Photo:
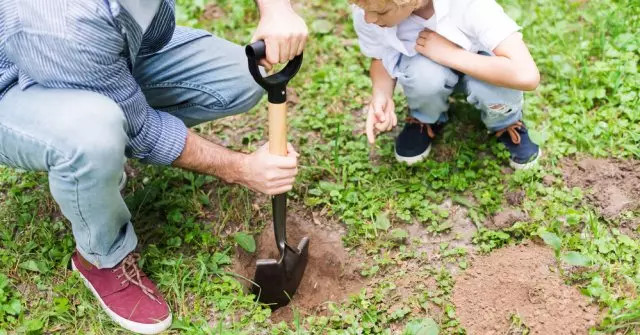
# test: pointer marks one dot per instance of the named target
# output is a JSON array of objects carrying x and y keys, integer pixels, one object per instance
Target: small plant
[
  {"x": 517, "y": 327},
  {"x": 10, "y": 305}
]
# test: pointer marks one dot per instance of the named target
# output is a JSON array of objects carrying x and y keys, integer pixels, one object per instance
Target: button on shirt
[
  {"x": 93, "y": 45},
  {"x": 474, "y": 25}
]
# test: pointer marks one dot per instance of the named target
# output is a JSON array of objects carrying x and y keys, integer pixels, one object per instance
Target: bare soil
[
  {"x": 520, "y": 281},
  {"x": 331, "y": 274},
  {"x": 612, "y": 186},
  {"x": 506, "y": 219},
  {"x": 515, "y": 198},
  {"x": 459, "y": 234}
]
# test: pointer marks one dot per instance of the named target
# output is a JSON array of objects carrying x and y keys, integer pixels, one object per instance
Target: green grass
[{"x": 588, "y": 103}]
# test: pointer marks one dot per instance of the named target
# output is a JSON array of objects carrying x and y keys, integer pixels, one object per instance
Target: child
[{"x": 431, "y": 45}]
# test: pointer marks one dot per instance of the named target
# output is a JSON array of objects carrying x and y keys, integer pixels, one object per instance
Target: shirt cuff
[{"x": 170, "y": 139}]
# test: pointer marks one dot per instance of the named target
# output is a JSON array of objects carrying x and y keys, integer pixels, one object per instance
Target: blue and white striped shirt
[{"x": 93, "y": 45}]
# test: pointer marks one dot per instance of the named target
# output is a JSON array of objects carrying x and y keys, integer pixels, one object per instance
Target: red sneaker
[{"x": 126, "y": 294}]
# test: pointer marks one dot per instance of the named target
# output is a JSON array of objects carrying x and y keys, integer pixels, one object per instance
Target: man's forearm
[
  {"x": 381, "y": 81},
  {"x": 495, "y": 70},
  {"x": 202, "y": 156}
]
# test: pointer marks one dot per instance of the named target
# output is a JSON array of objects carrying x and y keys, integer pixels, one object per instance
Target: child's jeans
[
  {"x": 428, "y": 86},
  {"x": 79, "y": 137}
]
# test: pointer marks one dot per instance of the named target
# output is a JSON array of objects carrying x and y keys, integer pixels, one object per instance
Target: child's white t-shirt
[{"x": 474, "y": 25}]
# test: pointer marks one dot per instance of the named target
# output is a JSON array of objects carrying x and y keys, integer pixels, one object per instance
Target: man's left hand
[
  {"x": 435, "y": 47},
  {"x": 283, "y": 31}
]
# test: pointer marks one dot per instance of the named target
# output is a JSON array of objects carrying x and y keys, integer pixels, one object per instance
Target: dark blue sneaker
[
  {"x": 414, "y": 142},
  {"x": 524, "y": 153}
]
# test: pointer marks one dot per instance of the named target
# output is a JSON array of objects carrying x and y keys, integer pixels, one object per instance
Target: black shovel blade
[{"x": 276, "y": 282}]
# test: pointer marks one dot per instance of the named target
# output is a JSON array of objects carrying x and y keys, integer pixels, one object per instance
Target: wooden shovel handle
[
  {"x": 278, "y": 129},
  {"x": 278, "y": 146}
]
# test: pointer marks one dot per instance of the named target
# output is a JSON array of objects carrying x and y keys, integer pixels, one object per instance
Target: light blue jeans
[
  {"x": 428, "y": 86},
  {"x": 79, "y": 136}
]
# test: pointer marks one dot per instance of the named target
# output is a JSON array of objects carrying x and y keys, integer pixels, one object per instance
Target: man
[{"x": 84, "y": 84}]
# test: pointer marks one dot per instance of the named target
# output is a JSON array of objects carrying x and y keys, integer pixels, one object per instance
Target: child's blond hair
[{"x": 369, "y": 4}]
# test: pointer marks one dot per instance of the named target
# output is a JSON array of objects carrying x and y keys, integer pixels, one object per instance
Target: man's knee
[
  {"x": 246, "y": 92},
  {"x": 252, "y": 96},
  {"x": 96, "y": 139},
  {"x": 231, "y": 88},
  {"x": 423, "y": 77}
]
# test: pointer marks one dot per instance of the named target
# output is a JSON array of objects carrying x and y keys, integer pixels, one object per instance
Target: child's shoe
[
  {"x": 524, "y": 153},
  {"x": 414, "y": 142}
]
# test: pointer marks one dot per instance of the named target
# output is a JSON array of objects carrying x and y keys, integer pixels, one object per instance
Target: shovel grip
[
  {"x": 275, "y": 84},
  {"x": 278, "y": 129}
]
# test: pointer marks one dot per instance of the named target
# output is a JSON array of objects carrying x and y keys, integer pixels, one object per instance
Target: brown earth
[
  {"x": 612, "y": 186},
  {"x": 515, "y": 198},
  {"x": 460, "y": 233},
  {"x": 519, "y": 281},
  {"x": 506, "y": 219},
  {"x": 331, "y": 274}
]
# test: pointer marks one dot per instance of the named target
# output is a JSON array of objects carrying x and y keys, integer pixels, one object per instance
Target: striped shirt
[{"x": 93, "y": 45}]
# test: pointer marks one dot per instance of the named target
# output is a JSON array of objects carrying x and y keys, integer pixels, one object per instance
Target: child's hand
[
  {"x": 381, "y": 116},
  {"x": 435, "y": 47}
]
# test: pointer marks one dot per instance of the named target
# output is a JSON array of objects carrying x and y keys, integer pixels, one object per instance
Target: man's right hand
[
  {"x": 381, "y": 116},
  {"x": 270, "y": 174}
]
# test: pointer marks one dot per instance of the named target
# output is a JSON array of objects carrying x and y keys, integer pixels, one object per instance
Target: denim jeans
[
  {"x": 79, "y": 137},
  {"x": 428, "y": 86}
]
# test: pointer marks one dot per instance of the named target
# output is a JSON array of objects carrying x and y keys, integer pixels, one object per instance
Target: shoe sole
[
  {"x": 518, "y": 166},
  {"x": 142, "y": 328},
  {"x": 414, "y": 159}
]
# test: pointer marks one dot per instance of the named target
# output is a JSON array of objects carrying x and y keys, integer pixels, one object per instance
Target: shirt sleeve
[
  {"x": 488, "y": 23},
  {"x": 97, "y": 63},
  {"x": 370, "y": 38}
]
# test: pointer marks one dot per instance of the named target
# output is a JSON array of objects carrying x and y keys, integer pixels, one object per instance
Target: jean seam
[
  {"x": 73, "y": 170},
  {"x": 188, "y": 85}
]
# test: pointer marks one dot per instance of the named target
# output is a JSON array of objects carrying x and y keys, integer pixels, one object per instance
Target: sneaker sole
[
  {"x": 133, "y": 326},
  {"x": 414, "y": 159},
  {"x": 518, "y": 166}
]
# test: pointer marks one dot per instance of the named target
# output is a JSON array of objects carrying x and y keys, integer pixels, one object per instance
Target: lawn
[{"x": 458, "y": 244}]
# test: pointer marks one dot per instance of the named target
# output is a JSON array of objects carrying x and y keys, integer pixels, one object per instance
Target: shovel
[{"x": 276, "y": 281}]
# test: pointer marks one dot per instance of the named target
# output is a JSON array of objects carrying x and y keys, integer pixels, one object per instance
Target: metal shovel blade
[{"x": 276, "y": 281}]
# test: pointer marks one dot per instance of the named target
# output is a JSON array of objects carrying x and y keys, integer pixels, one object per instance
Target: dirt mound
[
  {"x": 612, "y": 186},
  {"x": 506, "y": 219},
  {"x": 331, "y": 274},
  {"x": 516, "y": 283}
]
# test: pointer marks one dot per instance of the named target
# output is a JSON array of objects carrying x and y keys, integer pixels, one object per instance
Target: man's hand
[
  {"x": 259, "y": 171},
  {"x": 270, "y": 174},
  {"x": 435, "y": 47},
  {"x": 381, "y": 116},
  {"x": 283, "y": 31}
]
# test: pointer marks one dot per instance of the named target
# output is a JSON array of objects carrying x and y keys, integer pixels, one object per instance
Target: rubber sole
[
  {"x": 518, "y": 166},
  {"x": 414, "y": 159}
]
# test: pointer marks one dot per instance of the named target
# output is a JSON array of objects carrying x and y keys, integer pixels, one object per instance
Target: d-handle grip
[{"x": 275, "y": 84}]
